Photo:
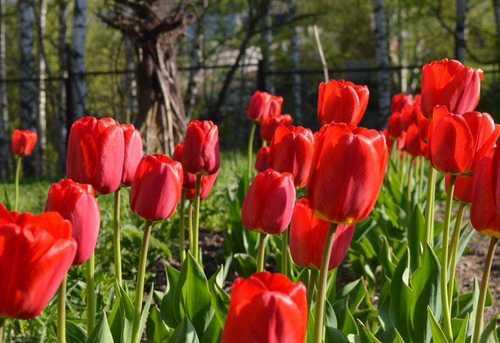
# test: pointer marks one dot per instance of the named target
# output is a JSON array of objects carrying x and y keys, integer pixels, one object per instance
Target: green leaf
[
  {"x": 366, "y": 335},
  {"x": 333, "y": 335},
  {"x": 122, "y": 317},
  {"x": 170, "y": 308},
  {"x": 102, "y": 332},
  {"x": 349, "y": 326},
  {"x": 416, "y": 235},
  {"x": 247, "y": 265},
  {"x": 489, "y": 335},
  {"x": 438, "y": 335},
  {"x": 459, "y": 327},
  {"x": 158, "y": 331},
  {"x": 74, "y": 333},
  {"x": 145, "y": 312},
  {"x": 401, "y": 298},
  {"x": 184, "y": 333}
]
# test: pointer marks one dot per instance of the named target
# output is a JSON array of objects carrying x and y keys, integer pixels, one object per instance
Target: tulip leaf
[
  {"x": 416, "y": 235},
  {"x": 401, "y": 297},
  {"x": 365, "y": 334},
  {"x": 170, "y": 308},
  {"x": 333, "y": 335},
  {"x": 102, "y": 332},
  {"x": 184, "y": 333},
  {"x": 145, "y": 312},
  {"x": 158, "y": 331},
  {"x": 490, "y": 334},
  {"x": 438, "y": 335},
  {"x": 122, "y": 317},
  {"x": 247, "y": 265},
  {"x": 75, "y": 333},
  {"x": 459, "y": 327}
]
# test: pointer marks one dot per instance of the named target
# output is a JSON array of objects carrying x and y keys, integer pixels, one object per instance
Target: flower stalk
[
  {"x": 61, "y": 313},
  {"x": 117, "y": 238}
]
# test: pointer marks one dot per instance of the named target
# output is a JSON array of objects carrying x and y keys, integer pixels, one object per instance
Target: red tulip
[
  {"x": 395, "y": 125},
  {"x": 133, "y": 153},
  {"x": 269, "y": 125},
  {"x": 450, "y": 83},
  {"x": 342, "y": 102},
  {"x": 96, "y": 151},
  {"x": 76, "y": 202},
  {"x": 485, "y": 208},
  {"x": 23, "y": 142},
  {"x": 268, "y": 205},
  {"x": 414, "y": 142},
  {"x": 308, "y": 235},
  {"x": 36, "y": 253},
  {"x": 201, "y": 148},
  {"x": 455, "y": 139},
  {"x": 263, "y": 105},
  {"x": 266, "y": 308},
  {"x": 347, "y": 173},
  {"x": 157, "y": 187},
  {"x": 291, "y": 151},
  {"x": 263, "y": 160},
  {"x": 463, "y": 187},
  {"x": 400, "y": 101},
  {"x": 189, "y": 180}
]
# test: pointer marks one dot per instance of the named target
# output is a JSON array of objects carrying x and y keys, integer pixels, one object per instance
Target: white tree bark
[
  {"x": 42, "y": 91},
  {"x": 4, "y": 111},
  {"x": 130, "y": 83},
  {"x": 383, "y": 62},
  {"x": 28, "y": 85},
  {"x": 78, "y": 87},
  {"x": 460, "y": 27}
]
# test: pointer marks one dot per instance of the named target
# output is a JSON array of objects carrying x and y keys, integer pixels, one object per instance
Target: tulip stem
[
  {"x": 190, "y": 224},
  {"x": 409, "y": 179},
  {"x": 311, "y": 284},
  {"x": 19, "y": 166},
  {"x": 452, "y": 258},
  {"x": 429, "y": 211},
  {"x": 91, "y": 300},
  {"x": 323, "y": 286},
  {"x": 284, "y": 253},
  {"x": 444, "y": 262},
  {"x": 117, "y": 238},
  {"x": 61, "y": 313},
  {"x": 2, "y": 326},
  {"x": 182, "y": 236},
  {"x": 139, "y": 289},
  {"x": 196, "y": 232},
  {"x": 478, "y": 324},
  {"x": 261, "y": 257},
  {"x": 250, "y": 151}
]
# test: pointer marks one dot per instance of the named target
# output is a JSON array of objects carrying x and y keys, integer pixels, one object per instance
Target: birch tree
[
  {"x": 78, "y": 86},
  {"x": 382, "y": 59},
  {"x": 62, "y": 103},
  {"x": 42, "y": 91}
]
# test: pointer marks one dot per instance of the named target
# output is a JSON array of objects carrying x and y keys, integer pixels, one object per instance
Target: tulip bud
[
  {"x": 400, "y": 101},
  {"x": 157, "y": 187},
  {"x": 485, "y": 208},
  {"x": 268, "y": 205},
  {"x": 414, "y": 142},
  {"x": 264, "y": 105},
  {"x": 450, "y": 83},
  {"x": 201, "y": 148},
  {"x": 342, "y": 102},
  {"x": 23, "y": 142},
  {"x": 263, "y": 160},
  {"x": 291, "y": 151},
  {"x": 348, "y": 169},
  {"x": 96, "y": 151},
  {"x": 308, "y": 235},
  {"x": 36, "y": 253},
  {"x": 268, "y": 126},
  {"x": 266, "y": 308},
  {"x": 463, "y": 187},
  {"x": 76, "y": 202},
  {"x": 133, "y": 153}
]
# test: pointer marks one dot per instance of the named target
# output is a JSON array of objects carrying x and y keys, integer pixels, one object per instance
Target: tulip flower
[
  {"x": 263, "y": 105},
  {"x": 133, "y": 153},
  {"x": 348, "y": 170},
  {"x": 485, "y": 215},
  {"x": 35, "y": 256},
  {"x": 395, "y": 125},
  {"x": 415, "y": 144},
  {"x": 263, "y": 160},
  {"x": 201, "y": 148},
  {"x": 269, "y": 126},
  {"x": 450, "y": 83},
  {"x": 23, "y": 142},
  {"x": 76, "y": 202},
  {"x": 308, "y": 235},
  {"x": 157, "y": 187},
  {"x": 96, "y": 152},
  {"x": 291, "y": 151},
  {"x": 268, "y": 207},
  {"x": 266, "y": 308},
  {"x": 342, "y": 102},
  {"x": 156, "y": 192},
  {"x": 400, "y": 101},
  {"x": 207, "y": 184}
]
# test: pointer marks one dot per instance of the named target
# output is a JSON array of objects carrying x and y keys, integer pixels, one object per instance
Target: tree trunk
[
  {"x": 4, "y": 111},
  {"x": 196, "y": 57},
  {"x": 62, "y": 108},
  {"x": 42, "y": 91},
  {"x": 130, "y": 82},
  {"x": 496, "y": 10},
  {"x": 382, "y": 58},
  {"x": 295, "y": 54},
  {"x": 267, "y": 55},
  {"x": 460, "y": 25},
  {"x": 28, "y": 85},
  {"x": 78, "y": 87}
]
